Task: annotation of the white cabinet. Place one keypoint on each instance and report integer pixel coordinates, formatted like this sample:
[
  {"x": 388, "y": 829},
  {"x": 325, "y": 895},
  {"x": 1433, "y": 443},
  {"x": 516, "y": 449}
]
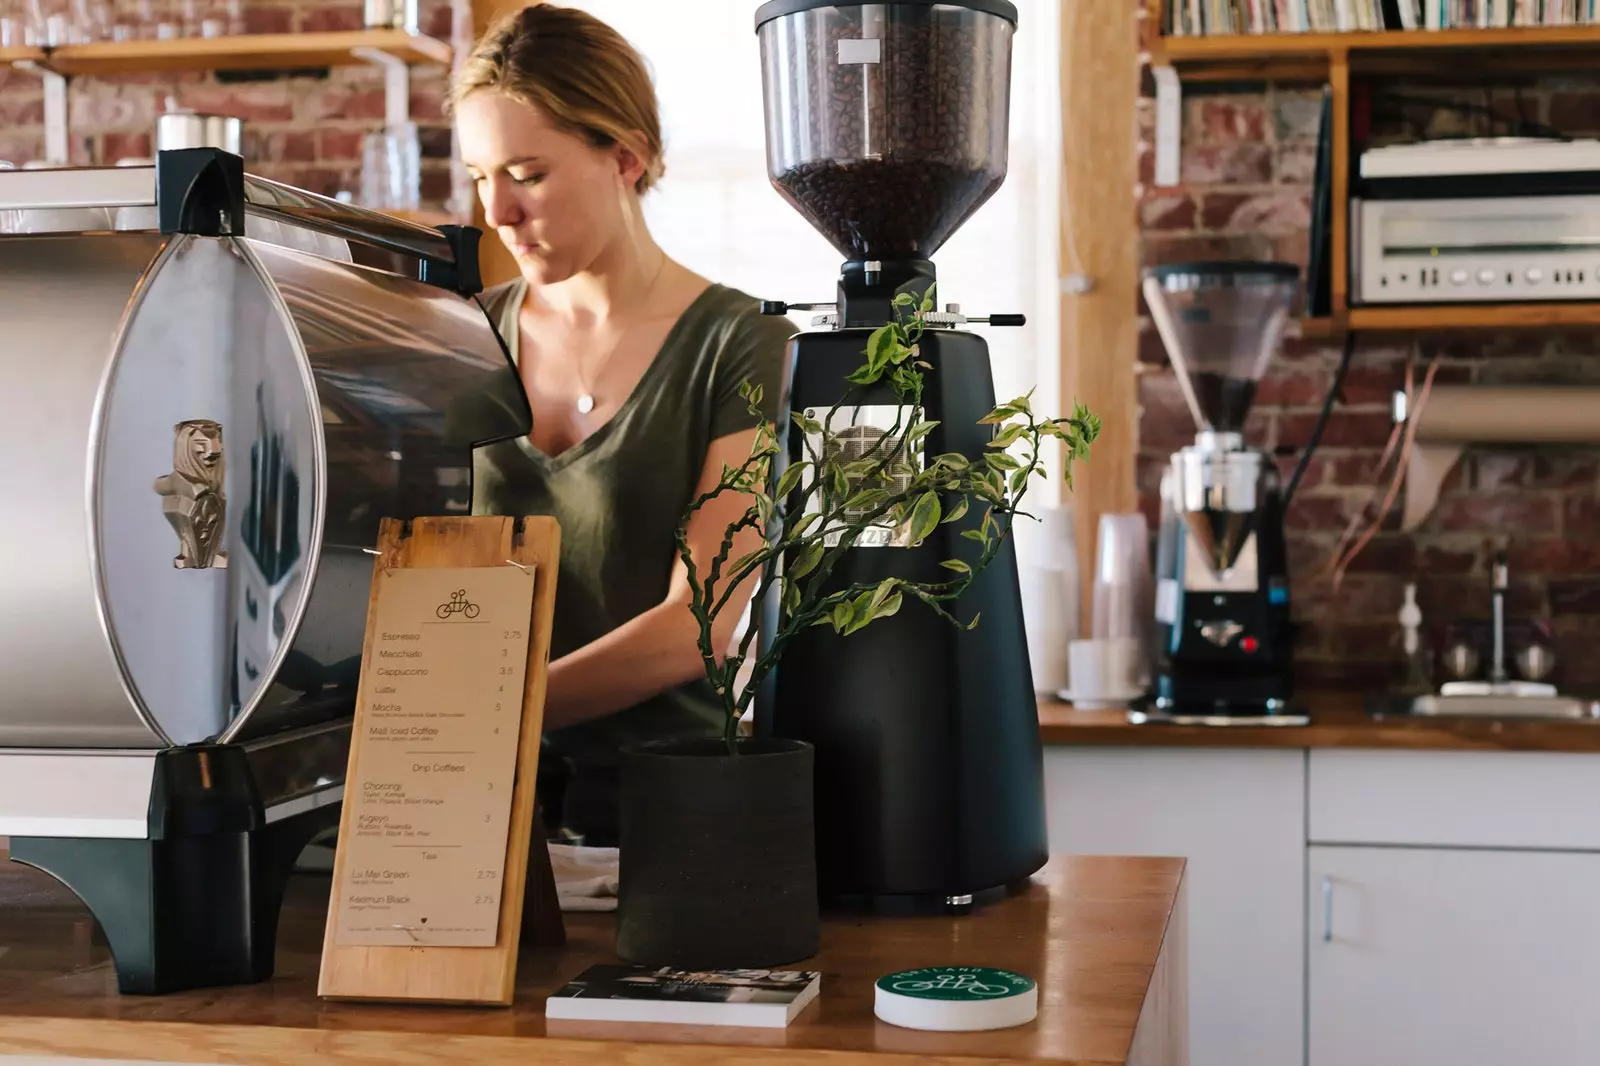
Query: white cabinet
[
  {"x": 1238, "y": 817},
  {"x": 1453, "y": 957}
]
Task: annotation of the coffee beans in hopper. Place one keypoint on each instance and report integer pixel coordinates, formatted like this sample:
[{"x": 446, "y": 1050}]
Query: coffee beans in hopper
[{"x": 900, "y": 152}]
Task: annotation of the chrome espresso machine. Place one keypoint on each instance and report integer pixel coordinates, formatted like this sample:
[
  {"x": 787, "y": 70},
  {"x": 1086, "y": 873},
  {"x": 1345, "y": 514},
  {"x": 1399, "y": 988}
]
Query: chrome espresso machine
[
  {"x": 887, "y": 127},
  {"x": 209, "y": 404}
]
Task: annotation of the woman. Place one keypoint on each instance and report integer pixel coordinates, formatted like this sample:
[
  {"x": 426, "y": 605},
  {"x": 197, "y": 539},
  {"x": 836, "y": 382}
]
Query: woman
[{"x": 632, "y": 365}]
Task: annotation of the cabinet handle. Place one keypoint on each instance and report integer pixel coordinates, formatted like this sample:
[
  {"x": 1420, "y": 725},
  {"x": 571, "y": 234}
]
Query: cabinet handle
[{"x": 1327, "y": 909}]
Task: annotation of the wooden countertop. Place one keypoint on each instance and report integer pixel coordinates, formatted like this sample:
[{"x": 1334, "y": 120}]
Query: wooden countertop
[
  {"x": 1338, "y": 720},
  {"x": 1104, "y": 938}
]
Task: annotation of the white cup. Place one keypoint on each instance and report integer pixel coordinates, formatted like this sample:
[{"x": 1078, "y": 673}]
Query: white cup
[{"x": 1104, "y": 673}]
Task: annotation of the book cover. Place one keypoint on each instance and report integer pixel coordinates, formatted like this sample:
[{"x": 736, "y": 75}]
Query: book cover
[{"x": 620, "y": 993}]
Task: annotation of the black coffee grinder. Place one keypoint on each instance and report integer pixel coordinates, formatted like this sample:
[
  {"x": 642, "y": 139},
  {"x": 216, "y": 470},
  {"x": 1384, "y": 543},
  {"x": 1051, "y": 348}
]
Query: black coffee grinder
[
  {"x": 887, "y": 128},
  {"x": 1224, "y": 636}
]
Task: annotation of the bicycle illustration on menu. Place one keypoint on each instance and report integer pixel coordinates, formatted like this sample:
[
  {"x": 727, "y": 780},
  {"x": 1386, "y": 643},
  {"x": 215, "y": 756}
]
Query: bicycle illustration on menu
[{"x": 458, "y": 604}]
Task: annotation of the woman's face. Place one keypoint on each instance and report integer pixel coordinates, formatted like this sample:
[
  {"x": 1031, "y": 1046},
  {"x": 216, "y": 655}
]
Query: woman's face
[{"x": 556, "y": 201}]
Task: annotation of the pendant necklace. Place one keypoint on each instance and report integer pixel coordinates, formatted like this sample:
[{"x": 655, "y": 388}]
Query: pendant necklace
[{"x": 585, "y": 401}]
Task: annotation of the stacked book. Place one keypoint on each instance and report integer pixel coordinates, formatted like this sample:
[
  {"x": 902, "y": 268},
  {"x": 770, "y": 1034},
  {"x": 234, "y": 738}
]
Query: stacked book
[{"x": 1200, "y": 18}]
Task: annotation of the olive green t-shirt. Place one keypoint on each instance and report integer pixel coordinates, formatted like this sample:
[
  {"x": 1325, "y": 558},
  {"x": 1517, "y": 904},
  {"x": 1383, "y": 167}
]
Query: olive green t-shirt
[{"x": 621, "y": 493}]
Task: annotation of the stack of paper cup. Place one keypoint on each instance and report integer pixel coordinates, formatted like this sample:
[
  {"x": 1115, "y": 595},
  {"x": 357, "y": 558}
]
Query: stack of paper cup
[
  {"x": 1112, "y": 667},
  {"x": 1048, "y": 561}
]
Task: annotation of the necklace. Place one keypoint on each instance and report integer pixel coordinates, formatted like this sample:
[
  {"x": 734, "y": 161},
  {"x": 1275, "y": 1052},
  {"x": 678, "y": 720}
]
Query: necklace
[{"x": 585, "y": 402}]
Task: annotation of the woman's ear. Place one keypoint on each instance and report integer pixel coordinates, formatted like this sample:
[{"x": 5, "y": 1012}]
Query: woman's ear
[{"x": 631, "y": 161}]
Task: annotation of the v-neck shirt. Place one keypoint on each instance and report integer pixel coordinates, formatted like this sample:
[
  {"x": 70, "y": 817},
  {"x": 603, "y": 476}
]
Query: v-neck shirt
[{"x": 620, "y": 493}]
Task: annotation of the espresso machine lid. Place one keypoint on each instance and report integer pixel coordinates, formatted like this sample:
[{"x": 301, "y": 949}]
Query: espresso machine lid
[
  {"x": 1221, "y": 323},
  {"x": 886, "y": 123}
]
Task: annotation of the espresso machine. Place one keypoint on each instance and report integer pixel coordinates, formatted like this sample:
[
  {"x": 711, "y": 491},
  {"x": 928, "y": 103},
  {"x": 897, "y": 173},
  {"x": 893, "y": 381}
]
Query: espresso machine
[
  {"x": 214, "y": 393},
  {"x": 1223, "y": 628},
  {"x": 887, "y": 128}
]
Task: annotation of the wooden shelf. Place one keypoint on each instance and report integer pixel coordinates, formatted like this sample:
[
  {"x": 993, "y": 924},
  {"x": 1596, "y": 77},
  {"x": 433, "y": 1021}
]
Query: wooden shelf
[
  {"x": 21, "y": 54},
  {"x": 1444, "y": 318},
  {"x": 1231, "y": 57},
  {"x": 263, "y": 51}
]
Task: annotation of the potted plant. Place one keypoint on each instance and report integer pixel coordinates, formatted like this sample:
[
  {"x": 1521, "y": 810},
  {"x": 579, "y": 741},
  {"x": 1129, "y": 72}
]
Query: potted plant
[{"x": 718, "y": 864}]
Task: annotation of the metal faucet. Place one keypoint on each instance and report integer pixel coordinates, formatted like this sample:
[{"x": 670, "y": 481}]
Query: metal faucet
[{"x": 1499, "y": 580}]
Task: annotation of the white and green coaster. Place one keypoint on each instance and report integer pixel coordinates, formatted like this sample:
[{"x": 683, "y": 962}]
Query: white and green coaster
[{"x": 956, "y": 998}]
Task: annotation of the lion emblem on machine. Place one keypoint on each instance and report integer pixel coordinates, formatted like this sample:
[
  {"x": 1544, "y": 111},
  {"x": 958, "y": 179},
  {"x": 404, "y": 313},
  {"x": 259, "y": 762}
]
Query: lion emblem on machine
[{"x": 193, "y": 497}]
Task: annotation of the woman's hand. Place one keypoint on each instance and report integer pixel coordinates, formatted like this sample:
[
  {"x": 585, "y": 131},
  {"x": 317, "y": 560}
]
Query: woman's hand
[{"x": 658, "y": 650}]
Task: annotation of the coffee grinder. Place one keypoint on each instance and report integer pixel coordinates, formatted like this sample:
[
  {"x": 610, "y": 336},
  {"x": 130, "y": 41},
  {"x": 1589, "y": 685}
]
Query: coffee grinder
[
  {"x": 887, "y": 128},
  {"x": 1224, "y": 635}
]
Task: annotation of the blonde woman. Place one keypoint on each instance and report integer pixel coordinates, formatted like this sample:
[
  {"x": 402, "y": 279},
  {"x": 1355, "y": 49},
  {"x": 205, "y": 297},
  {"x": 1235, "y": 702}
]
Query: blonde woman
[{"x": 632, "y": 364}]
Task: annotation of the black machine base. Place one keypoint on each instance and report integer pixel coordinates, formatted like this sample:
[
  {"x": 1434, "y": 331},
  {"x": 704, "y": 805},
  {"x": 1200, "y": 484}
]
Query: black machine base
[
  {"x": 196, "y": 904},
  {"x": 930, "y": 781},
  {"x": 920, "y": 906},
  {"x": 1221, "y": 698}
]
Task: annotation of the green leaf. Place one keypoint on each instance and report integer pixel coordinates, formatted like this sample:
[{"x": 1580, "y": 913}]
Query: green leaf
[
  {"x": 974, "y": 623},
  {"x": 952, "y": 461},
  {"x": 1001, "y": 461},
  {"x": 805, "y": 423},
  {"x": 881, "y": 345},
  {"x": 755, "y": 396},
  {"x": 918, "y": 431},
  {"x": 1021, "y": 404},
  {"x": 791, "y": 598},
  {"x": 957, "y": 565},
  {"x": 924, "y": 517},
  {"x": 842, "y": 613},
  {"x": 864, "y": 375},
  {"x": 744, "y": 389},
  {"x": 889, "y": 606},
  {"x": 804, "y": 523},
  {"x": 998, "y": 415},
  {"x": 790, "y": 480},
  {"x": 957, "y": 511},
  {"x": 904, "y": 299},
  {"x": 838, "y": 483},
  {"x": 1019, "y": 478},
  {"x": 865, "y": 501},
  {"x": 927, "y": 299},
  {"x": 743, "y": 561},
  {"x": 881, "y": 593},
  {"x": 807, "y": 560},
  {"x": 975, "y": 534},
  {"x": 1008, "y": 436}
]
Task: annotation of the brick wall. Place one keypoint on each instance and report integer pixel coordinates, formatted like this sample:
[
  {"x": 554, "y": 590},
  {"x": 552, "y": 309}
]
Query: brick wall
[
  {"x": 302, "y": 130},
  {"x": 1246, "y": 172}
]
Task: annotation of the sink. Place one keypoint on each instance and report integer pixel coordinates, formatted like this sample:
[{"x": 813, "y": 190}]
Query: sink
[{"x": 1489, "y": 705}]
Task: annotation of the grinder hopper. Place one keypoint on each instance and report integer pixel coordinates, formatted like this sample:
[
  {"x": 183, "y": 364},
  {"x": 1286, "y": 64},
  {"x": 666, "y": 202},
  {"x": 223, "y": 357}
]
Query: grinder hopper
[
  {"x": 886, "y": 123},
  {"x": 1221, "y": 323}
]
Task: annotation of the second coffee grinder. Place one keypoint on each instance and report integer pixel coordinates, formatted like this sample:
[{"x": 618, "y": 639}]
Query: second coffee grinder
[
  {"x": 1225, "y": 638},
  {"x": 887, "y": 128}
]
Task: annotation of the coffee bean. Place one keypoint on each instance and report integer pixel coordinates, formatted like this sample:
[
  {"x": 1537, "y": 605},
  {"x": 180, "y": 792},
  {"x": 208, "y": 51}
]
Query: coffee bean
[{"x": 889, "y": 158}]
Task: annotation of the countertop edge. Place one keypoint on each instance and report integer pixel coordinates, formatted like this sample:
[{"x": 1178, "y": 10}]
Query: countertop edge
[
  {"x": 269, "y": 1045},
  {"x": 1337, "y": 721}
]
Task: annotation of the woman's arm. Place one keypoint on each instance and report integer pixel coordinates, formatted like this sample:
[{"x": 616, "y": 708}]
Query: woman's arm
[{"x": 658, "y": 649}]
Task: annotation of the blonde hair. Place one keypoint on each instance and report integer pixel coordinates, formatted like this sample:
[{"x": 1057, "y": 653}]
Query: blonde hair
[{"x": 582, "y": 74}]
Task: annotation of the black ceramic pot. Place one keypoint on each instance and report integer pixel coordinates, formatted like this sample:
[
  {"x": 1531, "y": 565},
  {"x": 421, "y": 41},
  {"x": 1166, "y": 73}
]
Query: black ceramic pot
[{"x": 718, "y": 865}]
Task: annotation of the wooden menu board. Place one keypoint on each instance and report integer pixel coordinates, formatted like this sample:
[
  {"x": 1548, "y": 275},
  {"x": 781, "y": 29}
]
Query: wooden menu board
[{"x": 438, "y": 817}]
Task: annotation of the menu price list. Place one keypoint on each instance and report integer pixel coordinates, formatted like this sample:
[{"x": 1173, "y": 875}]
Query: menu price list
[{"x": 430, "y": 792}]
